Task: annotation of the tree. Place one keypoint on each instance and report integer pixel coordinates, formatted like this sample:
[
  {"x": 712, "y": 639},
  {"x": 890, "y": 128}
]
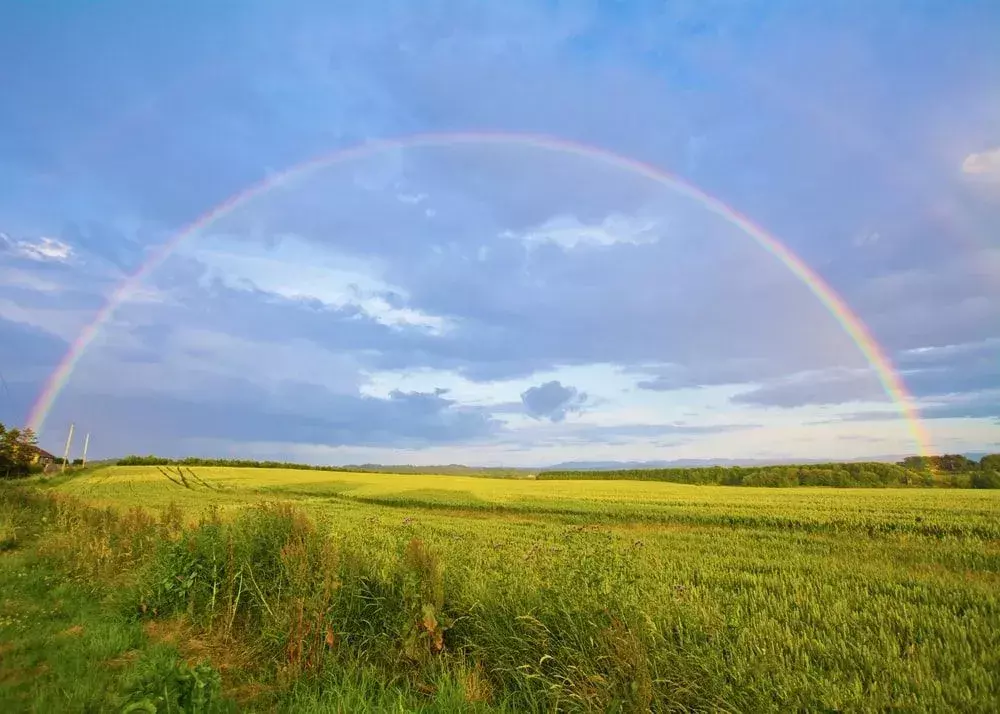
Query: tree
[
  {"x": 990, "y": 462},
  {"x": 989, "y": 472},
  {"x": 954, "y": 463},
  {"x": 986, "y": 479},
  {"x": 17, "y": 451}
]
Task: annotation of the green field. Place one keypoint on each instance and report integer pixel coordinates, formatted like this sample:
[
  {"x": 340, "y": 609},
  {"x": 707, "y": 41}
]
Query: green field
[{"x": 453, "y": 592}]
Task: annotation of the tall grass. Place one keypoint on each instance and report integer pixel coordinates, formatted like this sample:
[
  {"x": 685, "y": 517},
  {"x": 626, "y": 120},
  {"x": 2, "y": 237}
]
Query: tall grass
[
  {"x": 744, "y": 606},
  {"x": 271, "y": 583}
]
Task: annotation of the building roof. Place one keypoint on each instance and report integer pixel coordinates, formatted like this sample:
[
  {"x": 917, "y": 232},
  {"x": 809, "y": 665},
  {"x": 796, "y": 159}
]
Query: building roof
[{"x": 42, "y": 453}]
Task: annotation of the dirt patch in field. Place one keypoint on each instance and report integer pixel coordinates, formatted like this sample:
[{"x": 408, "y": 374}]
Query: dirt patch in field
[{"x": 168, "y": 631}]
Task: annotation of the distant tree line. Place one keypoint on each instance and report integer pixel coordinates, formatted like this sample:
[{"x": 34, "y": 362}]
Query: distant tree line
[
  {"x": 151, "y": 460},
  {"x": 361, "y": 468},
  {"x": 949, "y": 471}
]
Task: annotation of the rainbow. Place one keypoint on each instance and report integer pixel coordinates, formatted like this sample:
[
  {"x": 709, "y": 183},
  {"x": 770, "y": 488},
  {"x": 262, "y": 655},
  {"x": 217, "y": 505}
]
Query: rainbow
[{"x": 834, "y": 304}]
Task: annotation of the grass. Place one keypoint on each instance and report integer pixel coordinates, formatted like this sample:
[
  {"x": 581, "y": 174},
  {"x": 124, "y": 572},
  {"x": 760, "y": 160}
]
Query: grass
[
  {"x": 921, "y": 511},
  {"x": 376, "y": 592},
  {"x": 65, "y": 649}
]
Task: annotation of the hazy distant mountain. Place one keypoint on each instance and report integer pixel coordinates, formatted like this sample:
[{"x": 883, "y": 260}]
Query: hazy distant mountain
[
  {"x": 694, "y": 463},
  {"x": 976, "y": 456}
]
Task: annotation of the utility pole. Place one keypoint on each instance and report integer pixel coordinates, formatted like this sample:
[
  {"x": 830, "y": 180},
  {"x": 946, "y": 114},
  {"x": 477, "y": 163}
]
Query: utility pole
[
  {"x": 86, "y": 443},
  {"x": 69, "y": 440}
]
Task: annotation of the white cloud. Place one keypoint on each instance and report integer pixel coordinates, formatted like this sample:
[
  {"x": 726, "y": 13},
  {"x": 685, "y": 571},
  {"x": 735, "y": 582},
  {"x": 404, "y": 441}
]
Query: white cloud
[
  {"x": 867, "y": 238},
  {"x": 44, "y": 249},
  {"x": 598, "y": 380},
  {"x": 615, "y": 401},
  {"x": 951, "y": 350},
  {"x": 412, "y": 199},
  {"x": 984, "y": 163},
  {"x": 568, "y": 232},
  {"x": 301, "y": 271}
]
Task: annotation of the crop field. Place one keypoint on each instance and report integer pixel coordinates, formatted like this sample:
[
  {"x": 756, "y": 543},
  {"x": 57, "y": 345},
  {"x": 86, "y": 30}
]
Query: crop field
[{"x": 355, "y": 591}]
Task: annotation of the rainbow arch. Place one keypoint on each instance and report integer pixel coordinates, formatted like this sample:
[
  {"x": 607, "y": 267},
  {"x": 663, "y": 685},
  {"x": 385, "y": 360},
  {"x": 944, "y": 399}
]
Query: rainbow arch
[{"x": 852, "y": 325}]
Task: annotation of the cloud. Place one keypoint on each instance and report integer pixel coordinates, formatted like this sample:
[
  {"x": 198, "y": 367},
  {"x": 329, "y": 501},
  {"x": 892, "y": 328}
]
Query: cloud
[
  {"x": 499, "y": 317},
  {"x": 831, "y": 387},
  {"x": 27, "y": 357},
  {"x": 412, "y": 199},
  {"x": 971, "y": 405},
  {"x": 568, "y": 232},
  {"x": 44, "y": 249},
  {"x": 867, "y": 238},
  {"x": 561, "y": 433},
  {"x": 298, "y": 270},
  {"x": 946, "y": 299},
  {"x": 866, "y": 415},
  {"x": 984, "y": 163},
  {"x": 241, "y": 411},
  {"x": 552, "y": 401},
  {"x": 965, "y": 368},
  {"x": 29, "y": 279},
  {"x": 978, "y": 405},
  {"x": 117, "y": 243},
  {"x": 621, "y": 271},
  {"x": 947, "y": 381},
  {"x": 737, "y": 370}
]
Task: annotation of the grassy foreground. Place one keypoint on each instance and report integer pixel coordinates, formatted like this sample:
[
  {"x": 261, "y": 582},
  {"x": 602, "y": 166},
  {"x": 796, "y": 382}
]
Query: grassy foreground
[{"x": 314, "y": 591}]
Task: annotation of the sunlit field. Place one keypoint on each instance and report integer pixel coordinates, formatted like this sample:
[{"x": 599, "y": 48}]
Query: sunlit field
[
  {"x": 447, "y": 592},
  {"x": 959, "y": 512}
]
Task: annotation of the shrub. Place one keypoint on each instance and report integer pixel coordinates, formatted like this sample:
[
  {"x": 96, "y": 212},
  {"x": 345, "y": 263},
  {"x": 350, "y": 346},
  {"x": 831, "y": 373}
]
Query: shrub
[
  {"x": 166, "y": 684},
  {"x": 423, "y": 601},
  {"x": 269, "y": 577},
  {"x": 986, "y": 479}
]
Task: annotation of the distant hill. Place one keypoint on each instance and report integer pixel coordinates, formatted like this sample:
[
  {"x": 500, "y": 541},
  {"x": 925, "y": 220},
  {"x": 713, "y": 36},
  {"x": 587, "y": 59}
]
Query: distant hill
[
  {"x": 696, "y": 463},
  {"x": 452, "y": 469},
  {"x": 509, "y": 471}
]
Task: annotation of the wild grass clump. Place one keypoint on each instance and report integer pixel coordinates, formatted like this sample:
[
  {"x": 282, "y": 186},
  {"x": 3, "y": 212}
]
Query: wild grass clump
[
  {"x": 97, "y": 545},
  {"x": 273, "y": 581},
  {"x": 268, "y": 579},
  {"x": 8, "y": 528},
  {"x": 168, "y": 684},
  {"x": 423, "y": 600}
]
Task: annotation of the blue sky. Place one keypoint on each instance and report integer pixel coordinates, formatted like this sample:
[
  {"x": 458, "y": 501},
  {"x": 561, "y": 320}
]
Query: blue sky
[{"x": 502, "y": 303}]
